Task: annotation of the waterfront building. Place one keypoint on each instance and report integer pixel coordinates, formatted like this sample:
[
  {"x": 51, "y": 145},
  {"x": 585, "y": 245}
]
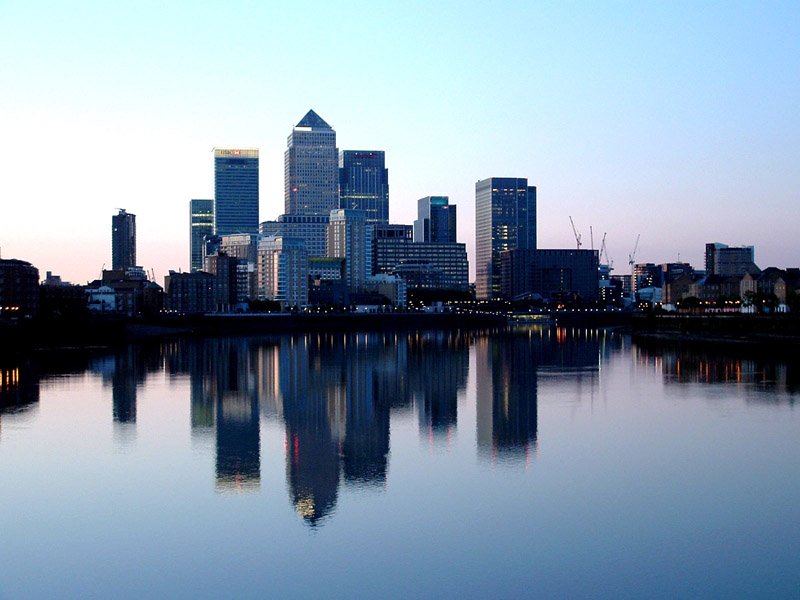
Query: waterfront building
[
  {"x": 201, "y": 224},
  {"x": 283, "y": 271},
  {"x": 101, "y": 299},
  {"x": 727, "y": 261},
  {"x": 392, "y": 287},
  {"x": 243, "y": 246},
  {"x": 311, "y": 170},
  {"x": 231, "y": 281},
  {"x": 189, "y": 293},
  {"x": 436, "y": 220},
  {"x": 364, "y": 183},
  {"x": 235, "y": 190},
  {"x": 350, "y": 237},
  {"x": 505, "y": 219},
  {"x": 19, "y": 288},
  {"x": 550, "y": 273},
  {"x": 123, "y": 240},
  {"x": 423, "y": 265},
  {"x": 135, "y": 295}
]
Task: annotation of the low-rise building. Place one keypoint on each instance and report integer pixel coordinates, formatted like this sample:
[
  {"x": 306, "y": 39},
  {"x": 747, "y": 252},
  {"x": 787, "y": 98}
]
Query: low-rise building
[
  {"x": 190, "y": 293},
  {"x": 19, "y": 288}
]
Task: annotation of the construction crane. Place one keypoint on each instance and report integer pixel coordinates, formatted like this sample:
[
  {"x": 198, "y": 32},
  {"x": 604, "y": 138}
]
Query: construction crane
[
  {"x": 575, "y": 232},
  {"x": 632, "y": 255},
  {"x": 604, "y": 250}
]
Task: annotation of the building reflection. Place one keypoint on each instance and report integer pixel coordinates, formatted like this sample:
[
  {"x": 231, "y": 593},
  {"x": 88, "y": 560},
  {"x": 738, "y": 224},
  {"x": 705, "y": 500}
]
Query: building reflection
[
  {"x": 438, "y": 367},
  {"x": 19, "y": 389},
  {"x": 507, "y": 386},
  {"x": 681, "y": 365}
]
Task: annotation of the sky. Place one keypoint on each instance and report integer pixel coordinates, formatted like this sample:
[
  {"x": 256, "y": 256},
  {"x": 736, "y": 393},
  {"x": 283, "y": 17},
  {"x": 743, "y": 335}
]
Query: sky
[{"x": 678, "y": 122}]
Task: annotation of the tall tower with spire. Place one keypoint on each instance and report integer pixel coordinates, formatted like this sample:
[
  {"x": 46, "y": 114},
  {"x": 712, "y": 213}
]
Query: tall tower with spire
[{"x": 311, "y": 166}]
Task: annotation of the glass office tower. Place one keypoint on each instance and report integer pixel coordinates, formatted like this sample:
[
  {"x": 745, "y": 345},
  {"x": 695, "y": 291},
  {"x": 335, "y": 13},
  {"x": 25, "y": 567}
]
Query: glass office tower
[
  {"x": 505, "y": 219},
  {"x": 311, "y": 168},
  {"x": 235, "y": 190},
  {"x": 364, "y": 183},
  {"x": 201, "y": 218},
  {"x": 436, "y": 220}
]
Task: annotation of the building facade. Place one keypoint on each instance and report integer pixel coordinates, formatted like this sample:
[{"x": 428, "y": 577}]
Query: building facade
[
  {"x": 728, "y": 261},
  {"x": 311, "y": 168},
  {"x": 350, "y": 237},
  {"x": 364, "y": 183},
  {"x": 235, "y": 190},
  {"x": 436, "y": 220},
  {"x": 505, "y": 219},
  {"x": 201, "y": 224},
  {"x": 423, "y": 265},
  {"x": 283, "y": 271},
  {"x": 311, "y": 228},
  {"x": 189, "y": 293},
  {"x": 19, "y": 288},
  {"x": 552, "y": 274},
  {"x": 123, "y": 240}
]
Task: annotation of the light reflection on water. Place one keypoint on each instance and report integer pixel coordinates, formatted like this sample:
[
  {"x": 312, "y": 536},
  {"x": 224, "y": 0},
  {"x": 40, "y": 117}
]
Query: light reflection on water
[{"x": 501, "y": 423}]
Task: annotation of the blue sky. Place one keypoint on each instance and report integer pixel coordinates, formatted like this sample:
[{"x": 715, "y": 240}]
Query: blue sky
[{"x": 676, "y": 121}]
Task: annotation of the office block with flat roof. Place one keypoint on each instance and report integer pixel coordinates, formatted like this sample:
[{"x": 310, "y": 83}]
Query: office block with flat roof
[
  {"x": 235, "y": 190},
  {"x": 505, "y": 219}
]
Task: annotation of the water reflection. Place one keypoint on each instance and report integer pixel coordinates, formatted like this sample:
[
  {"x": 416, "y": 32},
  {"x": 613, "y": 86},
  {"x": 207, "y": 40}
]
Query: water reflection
[
  {"x": 684, "y": 366},
  {"x": 335, "y": 395}
]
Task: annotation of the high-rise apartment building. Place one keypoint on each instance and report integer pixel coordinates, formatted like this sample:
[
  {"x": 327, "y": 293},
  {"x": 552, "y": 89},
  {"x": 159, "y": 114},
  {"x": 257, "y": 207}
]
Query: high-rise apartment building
[
  {"x": 350, "y": 237},
  {"x": 311, "y": 182},
  {"x": 505, "y": 219},
  {"x": 436, "y": 220},
  {"x": 364, "y": 183},
  {"x": 123, "y": 240},
  {"x": 283, "y": 271},
  {"x": 235, "y": 190},
  {"x": 201, "y": 223}
]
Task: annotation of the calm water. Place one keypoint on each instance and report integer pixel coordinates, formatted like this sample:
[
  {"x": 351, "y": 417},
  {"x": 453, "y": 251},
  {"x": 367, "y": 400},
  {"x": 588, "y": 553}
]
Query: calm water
[{"x": 542, "y": 463}]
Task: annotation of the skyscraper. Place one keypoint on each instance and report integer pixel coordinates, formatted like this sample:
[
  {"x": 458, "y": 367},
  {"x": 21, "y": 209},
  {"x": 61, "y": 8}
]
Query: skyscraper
[
  {"x": 235, "y": 190},
  {"x": 311, "y": 181},
  {"x": 505, "y": 219},
  {"x": 123, "y": 240},
  {"x": 436, "y": 220},
  {"x": 201, "y": 216},
  {"x": 364, "y": 183}
]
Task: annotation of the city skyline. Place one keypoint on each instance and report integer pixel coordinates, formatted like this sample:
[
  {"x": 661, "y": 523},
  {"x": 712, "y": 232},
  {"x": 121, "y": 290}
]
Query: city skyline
[{"x": 680, "y": 126}]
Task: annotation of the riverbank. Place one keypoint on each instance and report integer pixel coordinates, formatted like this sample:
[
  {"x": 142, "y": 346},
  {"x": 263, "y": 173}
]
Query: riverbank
[
  {"x": 32, "y": 334},
  {"x": 765, "y": 332}
]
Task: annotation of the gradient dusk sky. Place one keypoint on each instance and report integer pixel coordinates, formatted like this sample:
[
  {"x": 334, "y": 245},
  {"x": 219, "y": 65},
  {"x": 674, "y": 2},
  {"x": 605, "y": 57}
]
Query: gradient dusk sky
[{"x": 677, "y": 121}]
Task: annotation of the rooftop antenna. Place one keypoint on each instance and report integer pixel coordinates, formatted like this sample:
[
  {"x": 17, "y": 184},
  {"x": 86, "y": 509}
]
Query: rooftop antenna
[{"x": 591, "y": 237}]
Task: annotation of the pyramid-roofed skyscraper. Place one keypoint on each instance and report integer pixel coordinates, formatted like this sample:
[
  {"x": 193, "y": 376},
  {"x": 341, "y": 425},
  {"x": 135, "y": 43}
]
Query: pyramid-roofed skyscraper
[{"x": 311, "y": 166}]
